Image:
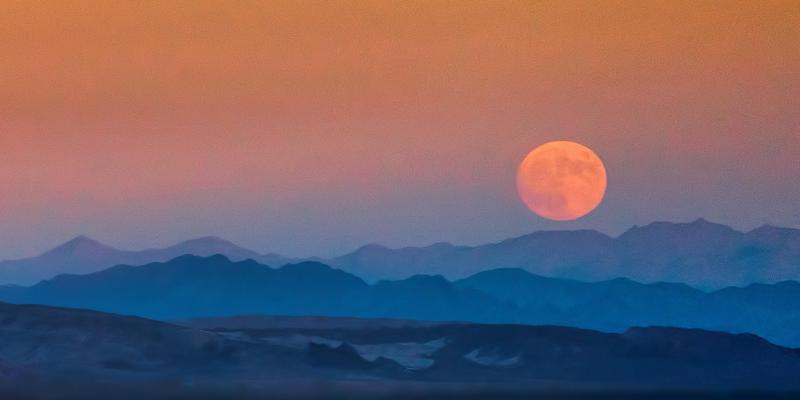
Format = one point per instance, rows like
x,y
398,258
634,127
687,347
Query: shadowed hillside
x,y
191,286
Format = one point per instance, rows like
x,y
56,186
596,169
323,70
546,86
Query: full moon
x,y
561,180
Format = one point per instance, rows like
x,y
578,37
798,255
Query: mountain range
x,y
67,353
701,253
83,255
191,286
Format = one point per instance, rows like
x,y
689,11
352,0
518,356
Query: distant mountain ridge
x,y
700,253
83,255
551,253
191,287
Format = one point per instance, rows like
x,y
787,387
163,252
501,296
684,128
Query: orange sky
x,y
313,127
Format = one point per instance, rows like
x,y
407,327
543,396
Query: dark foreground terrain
x,y
173,390
48,352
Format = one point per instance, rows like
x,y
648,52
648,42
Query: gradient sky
x,y
310,128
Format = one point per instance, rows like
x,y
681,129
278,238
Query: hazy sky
x,y
312,127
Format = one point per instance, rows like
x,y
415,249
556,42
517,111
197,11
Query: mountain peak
x,y
307,266
440,246
704,223
768,229
571,237
207,239
212,245
207,242
81,240
700,224
701,221
81,246
372,247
